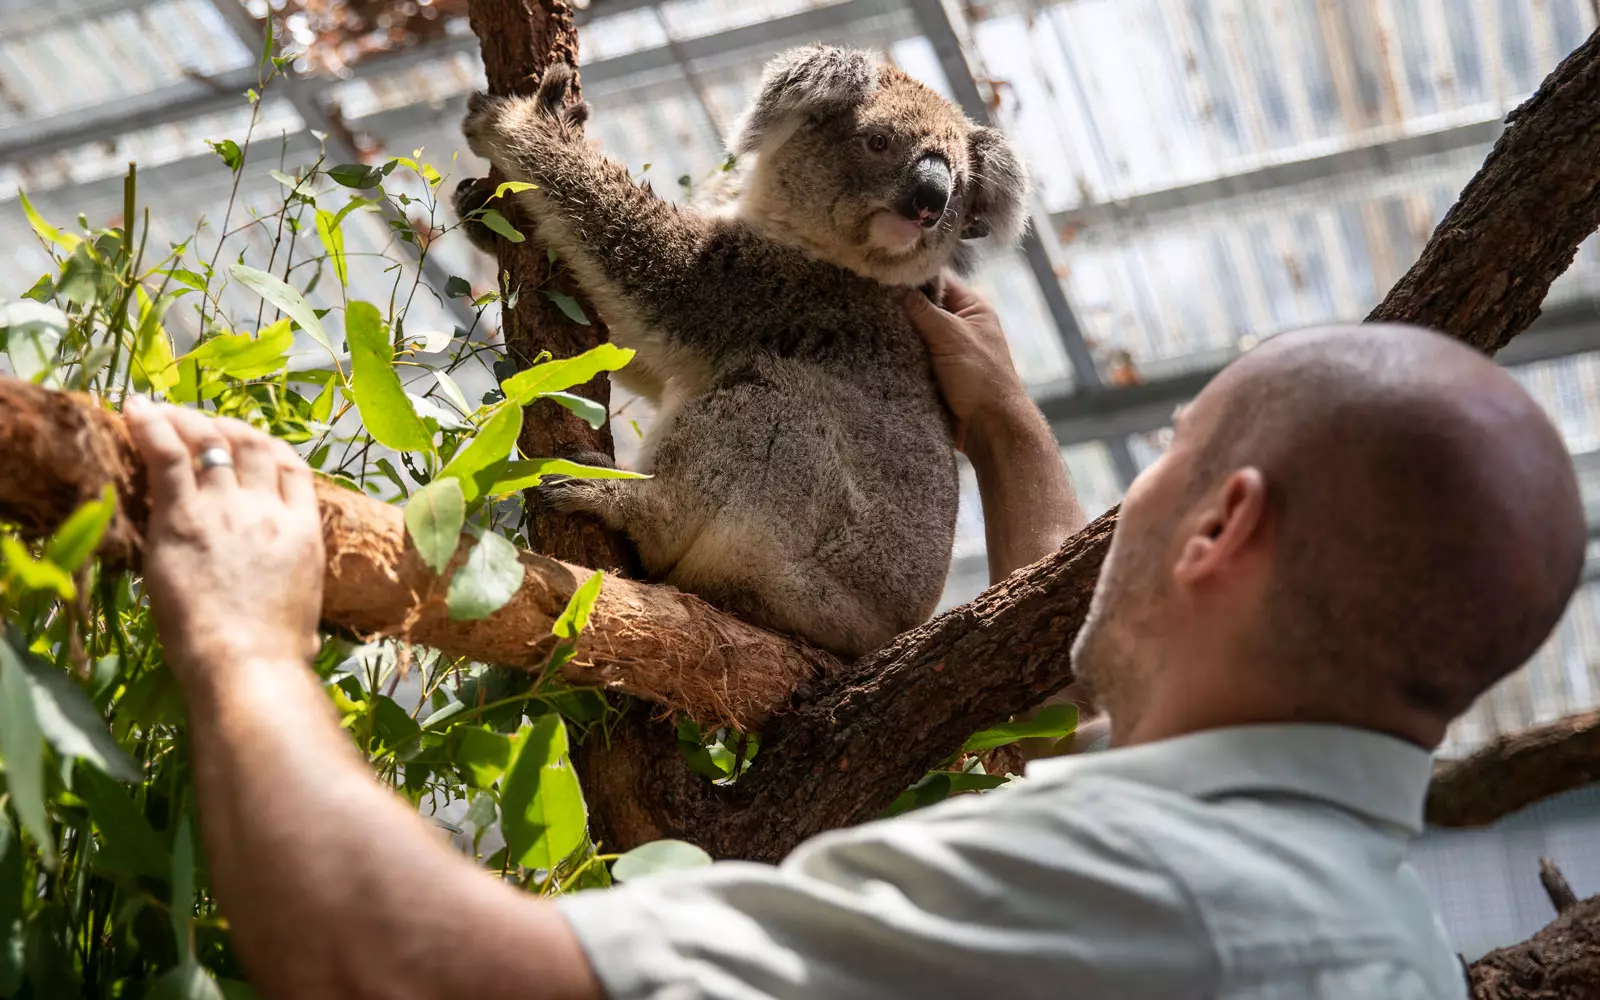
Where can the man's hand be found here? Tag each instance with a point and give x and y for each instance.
(971, 359)
(233, 557)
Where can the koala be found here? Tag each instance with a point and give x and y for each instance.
(803, 474)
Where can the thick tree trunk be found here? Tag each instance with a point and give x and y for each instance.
(1561, 962)
(519, 40)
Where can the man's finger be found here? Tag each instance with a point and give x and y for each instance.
(936, 326)
(958, 295)
(294, 477)
(255, 462)
(201, 435)
(169, 467)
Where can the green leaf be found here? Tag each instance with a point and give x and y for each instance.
(130, 845)
(355, 175)
(1052, 722)
(656, 857)
(452, 391)
(32, 573)
(385, 409)
(497, 222)
(70, 722)
(184, 277)
(244, 357)
(46, 231)
(32, 330)
(569, 305)
(434, 517)
(11, 910)
(230, 152)
(152, 348)
(322, 406)
(940, 785)
(457, 288)
(354, 203)
(527, 473)
(183, 888)
(575, 618)
(189, 980)
(541, 806)
(285, 298)
(481, 754)
(592, 413)
(333, 241)
(486, 581)
(75, 541)
(232, 989)
(22, 746)
(394, 728)
(554, 376)
(488, 449)
(513, 187)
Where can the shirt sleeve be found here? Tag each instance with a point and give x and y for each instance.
(1006, 895)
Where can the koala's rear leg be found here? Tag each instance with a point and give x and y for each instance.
(638, 508)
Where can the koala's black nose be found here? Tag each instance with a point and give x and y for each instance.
(928, 194)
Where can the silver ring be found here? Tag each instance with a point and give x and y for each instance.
(214, 458)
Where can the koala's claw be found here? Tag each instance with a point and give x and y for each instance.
(471, 195)
(566, 495)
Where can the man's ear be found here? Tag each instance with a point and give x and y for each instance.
(815, 80)
(997, 203)
(1230, 521)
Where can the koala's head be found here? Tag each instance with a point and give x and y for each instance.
(871, 170)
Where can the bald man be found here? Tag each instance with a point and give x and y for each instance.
(1355, 532)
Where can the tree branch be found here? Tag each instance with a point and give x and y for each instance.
(1561, 962)
(1516, 771)
(59, 450)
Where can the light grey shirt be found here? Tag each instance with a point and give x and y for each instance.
(1254, 862)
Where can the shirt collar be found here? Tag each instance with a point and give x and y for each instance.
(1377, 776)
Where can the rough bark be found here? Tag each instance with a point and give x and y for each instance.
(1519, 222)
(1556, 886)
(58, 450)
(1516, 771)
(1561, 962)
(519, 40)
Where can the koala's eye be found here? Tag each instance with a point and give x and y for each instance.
(878, 142)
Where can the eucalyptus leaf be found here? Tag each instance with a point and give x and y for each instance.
(591, 412)
(488, 449)
(75, 541)
(656, 857)
(541, 806)
(497, 222)
(333, 241)
(33, 332)
(22, 746)
(434, 516)
(554, 376)
(385, 409)
(1051, 722)
(291, 302)
(569, 306)
(486, 581)
(527, 473)
(575, 617)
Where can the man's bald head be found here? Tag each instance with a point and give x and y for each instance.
(1429, 530)
(1366, 524)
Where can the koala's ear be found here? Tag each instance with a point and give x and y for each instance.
(998, 203)
(814, 80)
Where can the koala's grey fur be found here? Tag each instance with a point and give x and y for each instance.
(803, 474)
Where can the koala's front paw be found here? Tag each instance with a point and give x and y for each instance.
(566, 495)
(472, 195)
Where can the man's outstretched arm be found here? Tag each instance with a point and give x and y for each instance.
(332, 887)
(1029, 507)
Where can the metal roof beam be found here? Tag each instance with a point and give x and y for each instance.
(1380, 155)
(1081, 417)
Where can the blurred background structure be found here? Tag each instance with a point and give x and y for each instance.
(1210, 172)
